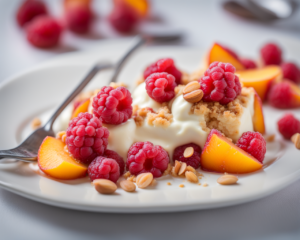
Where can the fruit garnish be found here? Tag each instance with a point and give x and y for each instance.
(271, 54)
(193, 160)
(291, 72)
(248, 63)
(288, 125)
(114, 155)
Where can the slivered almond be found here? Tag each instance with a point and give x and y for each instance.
(296, 140)
(182, 168)
(227, 179)
(105, 186)
(192, 86)
(143, 180)
(127, 186)
(194, 96)
(191, 177)
(177, 166)
(190, 168)
(188, 152)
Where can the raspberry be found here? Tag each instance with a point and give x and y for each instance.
(254, 144)
(193, 160)
(291, 71)
(104, 168)
(123, 18)
(145, 157)
(248, 63)
(43, 31)
(281, 95)
(113, 155)
(86, 138)
(164, 65)
(29, 10)
(271, 54)
(160, 86)
(113, 106)
(220, 84)
(78, 18)
(288, 125)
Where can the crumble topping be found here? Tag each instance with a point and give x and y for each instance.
(225, 118)
(118, 84)
(140, 114)
(162, 118)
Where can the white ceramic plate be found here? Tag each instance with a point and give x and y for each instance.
(38, 91)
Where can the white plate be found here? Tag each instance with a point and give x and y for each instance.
(38, 91)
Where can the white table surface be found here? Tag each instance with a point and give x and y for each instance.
(274, 217)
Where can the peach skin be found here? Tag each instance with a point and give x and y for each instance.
(258, 116)
(221, 155)
(218, 53)
(83, 107)
(260, 79)
(56, 162)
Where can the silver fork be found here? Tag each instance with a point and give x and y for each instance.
(28, 149)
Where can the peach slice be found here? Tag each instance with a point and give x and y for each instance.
(258, 117)
(260, 79)
(221, 155)
(56, 162)
(218, 53)
(140, 6)
(83, 107)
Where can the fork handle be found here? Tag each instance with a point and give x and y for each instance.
(77, 90)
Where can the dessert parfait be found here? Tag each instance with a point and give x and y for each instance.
(173, 123)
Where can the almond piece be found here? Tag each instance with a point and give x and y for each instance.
(227, 179)
(127, 186)
(194, 96)
(177, 166)
(36, 123)
(188, 152)
(192, 86)
(182, 168)
(105, 186)
(143, 180)
(270, 138)
(191, 177)
(296, 140)
(190, 168)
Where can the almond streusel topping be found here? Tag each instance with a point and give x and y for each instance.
(162, 118)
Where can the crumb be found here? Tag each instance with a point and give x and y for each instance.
(118, 84)
(162, 118)
(225, 118)
(205, 185)
(126, 175)
(181, 185)
(199, 183)
(140, 115)
(36, 123)
(168, 170)
(140, 80)
(270, 138)
(168, 183)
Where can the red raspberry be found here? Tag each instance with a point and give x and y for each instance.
(160, 86)
(288, 125)
(123, 18)
(78, 18)
(113, 106)
(281, 95)
(86, 138)
(29, 10)
(254, 144)
(220, 84)
(271, 54)
(145, 157)
(43, 32)
(104, 168)
(248, 63)
(113, 155)
(291, 71)
(193, 160)
(164, 65)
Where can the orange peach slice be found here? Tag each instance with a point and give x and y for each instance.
(56, 162)
(83, 107)
(218, 53)
(140, 6)
(260, 79)
(221, 155)
(258, 117)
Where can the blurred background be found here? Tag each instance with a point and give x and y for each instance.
(34, 31)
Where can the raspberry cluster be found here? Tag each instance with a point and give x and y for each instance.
(86, 138)
(220, 84)
(145, 157)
